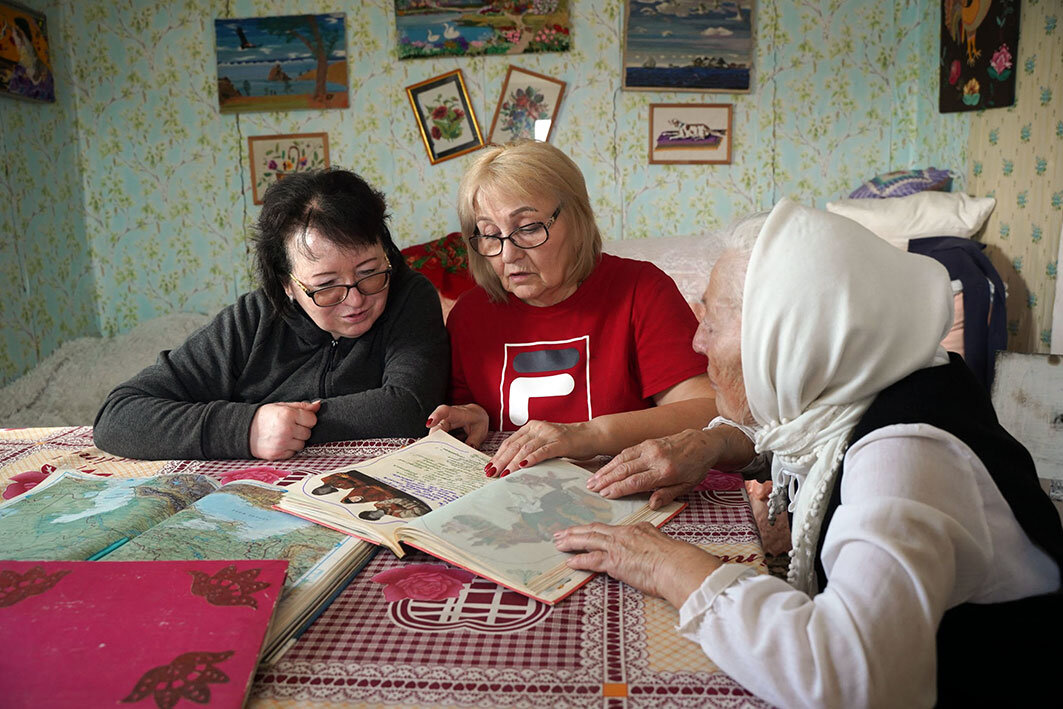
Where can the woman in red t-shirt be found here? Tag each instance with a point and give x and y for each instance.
(580, 353)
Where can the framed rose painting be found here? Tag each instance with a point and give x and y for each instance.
(527, 107)
(444, 116)
(275, 156)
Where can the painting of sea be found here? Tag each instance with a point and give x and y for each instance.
(688, 45)
(432, 28)
(281, 63)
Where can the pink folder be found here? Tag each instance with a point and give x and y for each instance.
(133, 633)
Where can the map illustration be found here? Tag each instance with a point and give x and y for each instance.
(75, 516)
(236, 522)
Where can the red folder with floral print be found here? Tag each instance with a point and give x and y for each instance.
(133, 633)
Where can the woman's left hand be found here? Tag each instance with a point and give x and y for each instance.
(641, 556)
(537, 441)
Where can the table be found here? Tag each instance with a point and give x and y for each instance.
(607, 645)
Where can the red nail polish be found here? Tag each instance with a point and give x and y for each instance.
(489, 467)
(504, 473)
(428, 424)
(489, 473)
(522, 463)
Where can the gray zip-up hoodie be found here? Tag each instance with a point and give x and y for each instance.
(197, 401)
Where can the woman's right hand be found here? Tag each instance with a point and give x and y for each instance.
(280, 430)
(470, 417)
(669, 466)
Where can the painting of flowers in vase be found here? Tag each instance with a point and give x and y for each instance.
(275, 156)
(979, 44)
(444, 116)
(527, 108)
(432, 28)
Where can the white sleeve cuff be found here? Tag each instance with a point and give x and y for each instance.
(699, 602)
(759, 462)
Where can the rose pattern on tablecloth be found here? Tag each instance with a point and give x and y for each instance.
(27, 481)
(262, 473)
(422, 582)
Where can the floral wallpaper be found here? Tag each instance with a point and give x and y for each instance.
(47, 291)
(136, 188)
(1017, 156)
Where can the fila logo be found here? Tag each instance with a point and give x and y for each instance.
(538, 372)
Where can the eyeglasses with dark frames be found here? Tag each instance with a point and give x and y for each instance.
(528, 236)
(334, 295)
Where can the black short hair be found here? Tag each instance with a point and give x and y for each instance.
(337, 204)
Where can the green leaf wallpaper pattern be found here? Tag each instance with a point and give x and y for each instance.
(148, 191)
(47, 293)
(1017, 154)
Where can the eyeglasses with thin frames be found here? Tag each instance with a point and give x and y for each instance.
(334, 295)
(528, 236)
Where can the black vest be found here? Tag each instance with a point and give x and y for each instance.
(988, 654)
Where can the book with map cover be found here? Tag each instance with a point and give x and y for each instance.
(74, 516)
(102, 633)
(433, 495)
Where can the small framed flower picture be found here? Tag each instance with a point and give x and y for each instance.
(445, 117)
(274, 156)
(527, 107)
(691, 133)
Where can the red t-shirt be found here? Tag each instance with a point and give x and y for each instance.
(622, 337)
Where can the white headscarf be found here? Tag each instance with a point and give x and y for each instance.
(831, 315)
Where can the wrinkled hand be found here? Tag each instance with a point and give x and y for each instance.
(470, 417)
(537, 441)
(280, 430)
(641, 556)
(670, 466)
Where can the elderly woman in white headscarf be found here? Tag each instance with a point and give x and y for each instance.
(923, 544)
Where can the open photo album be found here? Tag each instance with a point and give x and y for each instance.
(433, 495)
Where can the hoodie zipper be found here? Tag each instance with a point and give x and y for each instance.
(328, 367)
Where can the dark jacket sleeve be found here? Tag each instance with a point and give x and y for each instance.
(180, 407)
(416, 356)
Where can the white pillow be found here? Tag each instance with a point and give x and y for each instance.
(898, 219)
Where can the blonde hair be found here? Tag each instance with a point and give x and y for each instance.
(528, 169)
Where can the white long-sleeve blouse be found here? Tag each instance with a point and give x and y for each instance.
(921, 528)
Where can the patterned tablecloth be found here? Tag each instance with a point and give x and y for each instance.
(607, 645)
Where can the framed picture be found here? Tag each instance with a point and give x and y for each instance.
(444, 116)
(281, 63)
(527, 107)
(25, 57)
(681, 46)
(977, 69)
(274, 156)
(475, 27)
(691, 133)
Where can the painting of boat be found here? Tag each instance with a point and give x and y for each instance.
(688, 45)
(281, 63)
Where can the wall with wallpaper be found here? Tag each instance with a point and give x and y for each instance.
(1017, 156)
(47, 292)
(159, 202)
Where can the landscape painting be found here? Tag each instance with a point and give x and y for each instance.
(281, 63)
(432, 28)
(688, 45)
